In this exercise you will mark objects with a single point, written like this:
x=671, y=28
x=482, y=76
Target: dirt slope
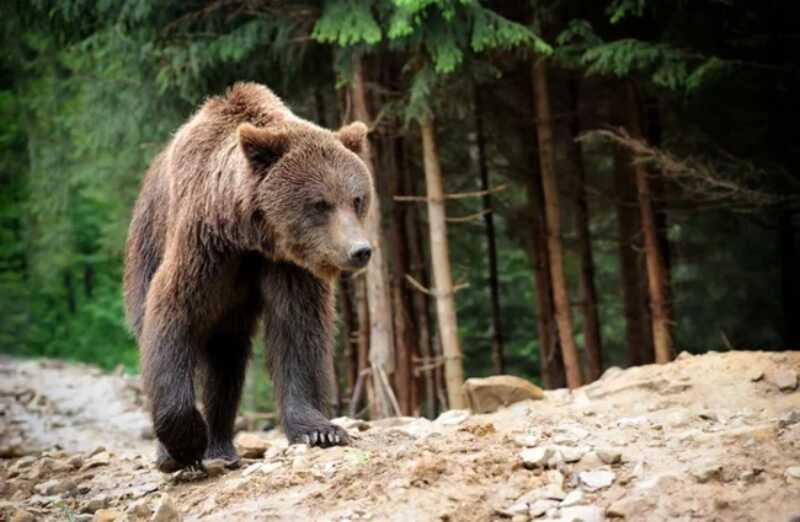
x=712, y=437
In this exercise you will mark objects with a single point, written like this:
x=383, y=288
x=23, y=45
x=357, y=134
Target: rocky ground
x=712, y=437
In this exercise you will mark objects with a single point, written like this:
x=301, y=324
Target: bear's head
x=309, y=193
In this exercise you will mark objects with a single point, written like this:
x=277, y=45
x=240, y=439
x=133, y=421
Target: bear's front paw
x=323, y=434
x=183, y=439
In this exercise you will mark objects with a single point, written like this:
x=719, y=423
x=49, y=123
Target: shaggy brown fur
x=249, y=210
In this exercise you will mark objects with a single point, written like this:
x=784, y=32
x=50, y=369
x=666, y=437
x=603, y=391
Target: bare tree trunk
x=544, y=133
x=440, y=258
x=348, y=364
x=491, y=246
x=656, y=270
x=552, y=364
x=591, y=319
x=637, y=331
x=420, y=302
x=405, y=334
x=381, y=349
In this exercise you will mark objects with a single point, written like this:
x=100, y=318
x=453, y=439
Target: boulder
x=488, y=394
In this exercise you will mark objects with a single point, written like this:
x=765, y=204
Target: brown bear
x=250, y=212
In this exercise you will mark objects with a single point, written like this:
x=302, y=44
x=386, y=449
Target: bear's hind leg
x=169, y=340
x=227, y=357
x=299, y=332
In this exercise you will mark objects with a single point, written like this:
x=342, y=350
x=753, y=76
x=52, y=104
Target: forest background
x=564, y=186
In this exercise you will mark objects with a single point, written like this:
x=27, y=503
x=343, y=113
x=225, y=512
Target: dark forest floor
x=711, y=437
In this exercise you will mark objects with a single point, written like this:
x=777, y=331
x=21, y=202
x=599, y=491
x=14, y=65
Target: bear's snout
x=359, y=254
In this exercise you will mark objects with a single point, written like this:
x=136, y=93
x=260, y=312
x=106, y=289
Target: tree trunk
x=656, y=270
x=544, y=133
x=420, y=302
x=634, y=292
x=381, y=348
x=405, y=334
x=551, y=362
x=591, y=319
x=491, y=247
x=348, y=364
x=440, y=258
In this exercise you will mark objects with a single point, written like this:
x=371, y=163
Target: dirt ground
x=711, y=437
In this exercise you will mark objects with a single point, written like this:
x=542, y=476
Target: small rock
x=351, y=424
x=705, y=472
x=536, y=457
x=574, y=498
x=95, y=504
x=139, y=509
x=569, y=454
x=102, y=458
x=541, y=506
x=214, y=467
x=251, y=446
x=418, y=428
x=609, y=456
x=166, y=511
x=583, y=514
x=106, y=515
x=526, y=440
x=569, y=433
x=793, y=417
x=452, y=417
x=55, y=487
x=249, y=470
x=20, y=515
x=596, y=479
x=793, y=472
x=147, y=433
x=75, y=462
x=784, y=378
x=485, y=395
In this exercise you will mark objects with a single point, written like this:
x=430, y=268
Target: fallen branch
x=458, y=195
x=432, y=291
x=469, y=217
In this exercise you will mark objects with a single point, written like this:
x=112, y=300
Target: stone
x=526, y=440
x=166, y=511
x=418, y=428
x=139, y=509
x=20, y=515
x=596, y=479
x=251, y=446
x=793, y=472
x=214, y=467
x=609, y=456
x=541, y=506
x=97, y=459
x=583, y=514
x=789, y=419
x=706, y=471
x=569, y=454
x=452, y=417
x=106, y=515
x=55, y=487
x=785, y=379
x=488, y=394
x=95, y=504
x=574, y=498
x=536, y=457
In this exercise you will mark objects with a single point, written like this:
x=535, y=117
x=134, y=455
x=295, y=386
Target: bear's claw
x=323, y=436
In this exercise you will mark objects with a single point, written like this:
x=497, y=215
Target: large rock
x=485, y=395
x=251, y=446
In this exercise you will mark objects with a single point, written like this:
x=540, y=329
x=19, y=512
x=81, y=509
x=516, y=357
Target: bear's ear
x=262, y=147
x=352, y=136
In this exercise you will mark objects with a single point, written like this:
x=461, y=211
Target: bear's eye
x=358, y=204
x=321, y=206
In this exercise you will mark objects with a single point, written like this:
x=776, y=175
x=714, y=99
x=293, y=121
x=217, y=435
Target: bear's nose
x=360, y=254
